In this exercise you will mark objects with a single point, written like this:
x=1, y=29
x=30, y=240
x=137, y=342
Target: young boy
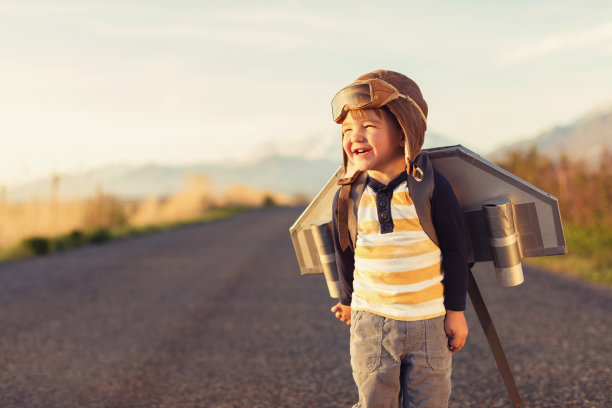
x=403, y=269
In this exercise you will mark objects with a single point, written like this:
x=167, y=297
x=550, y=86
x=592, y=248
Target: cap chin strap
x=412, y=169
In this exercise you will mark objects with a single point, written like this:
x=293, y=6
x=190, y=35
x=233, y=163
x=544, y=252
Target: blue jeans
x=400, y=363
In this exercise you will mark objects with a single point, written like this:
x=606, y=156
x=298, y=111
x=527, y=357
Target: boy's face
x=373, y=143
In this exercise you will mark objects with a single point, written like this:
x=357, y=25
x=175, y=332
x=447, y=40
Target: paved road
x=217, y=316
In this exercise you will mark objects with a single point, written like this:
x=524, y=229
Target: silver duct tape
x=510, y=276
x=334, y=289
x=327, y=258
x=506, y=257
x=502, y=242
x=527, y=227
x=498, y=214
x=321, y=233
x=528, y=230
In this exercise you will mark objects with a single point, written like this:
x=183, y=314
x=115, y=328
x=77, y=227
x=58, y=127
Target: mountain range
x=295, y=167
x=584, y=139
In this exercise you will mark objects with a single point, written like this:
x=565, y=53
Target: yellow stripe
x=395, y=251
x=404, y=318
x=399, y=225
x=409, y=298
x=399, y=278
x=404, y=225
x=368, y=227
x=401, y=198
x=367, y=200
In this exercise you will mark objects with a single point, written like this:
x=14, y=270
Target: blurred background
x=117, y=117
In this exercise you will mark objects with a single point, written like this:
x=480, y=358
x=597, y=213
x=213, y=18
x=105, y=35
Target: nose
x=357, y=135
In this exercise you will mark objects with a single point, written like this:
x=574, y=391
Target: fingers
x=346, y=317
x=456, y=343
x=343, y=313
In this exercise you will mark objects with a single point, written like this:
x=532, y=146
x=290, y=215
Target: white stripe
x=403, y=212
x=392, y=238
x=367, y=214
x=407, y=311
x=402, y=186
x=395, y=289
x=369, y=192
x=398, y=264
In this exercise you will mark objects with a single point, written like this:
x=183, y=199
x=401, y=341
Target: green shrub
x=99, y=235
x=74, y=239
x=269, y=201
x=38, y=245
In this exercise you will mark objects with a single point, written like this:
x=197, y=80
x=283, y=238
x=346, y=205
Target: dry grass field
x=54, y=217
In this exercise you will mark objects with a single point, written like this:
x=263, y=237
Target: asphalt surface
x=217, y=315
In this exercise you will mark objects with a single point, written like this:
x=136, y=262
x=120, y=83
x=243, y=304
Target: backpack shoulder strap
x=357, y=189
x=420, y=189
x=345, y=207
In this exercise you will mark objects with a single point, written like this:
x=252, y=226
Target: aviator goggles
x=368, y=94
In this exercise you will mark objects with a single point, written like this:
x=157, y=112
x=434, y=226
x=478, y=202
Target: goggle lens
x=355, y=96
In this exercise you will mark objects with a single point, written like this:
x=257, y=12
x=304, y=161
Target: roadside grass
x=35, y=246
x=589, y=254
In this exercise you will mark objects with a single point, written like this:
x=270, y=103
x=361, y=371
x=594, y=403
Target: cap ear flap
x=349, y=168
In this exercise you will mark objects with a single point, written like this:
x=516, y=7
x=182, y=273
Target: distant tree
x=584, y=193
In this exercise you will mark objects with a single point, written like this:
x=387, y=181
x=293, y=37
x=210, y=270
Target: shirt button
x=383, y=216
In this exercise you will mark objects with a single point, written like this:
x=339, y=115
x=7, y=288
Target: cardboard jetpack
x=506, y=219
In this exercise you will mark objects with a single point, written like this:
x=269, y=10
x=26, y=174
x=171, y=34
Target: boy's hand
x=342, y=312
x=456, y=330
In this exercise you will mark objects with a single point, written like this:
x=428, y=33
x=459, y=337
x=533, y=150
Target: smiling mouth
x=361, y=151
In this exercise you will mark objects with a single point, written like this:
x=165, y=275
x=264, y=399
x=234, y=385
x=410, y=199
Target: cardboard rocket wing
x=303, y=231
x=507, y=218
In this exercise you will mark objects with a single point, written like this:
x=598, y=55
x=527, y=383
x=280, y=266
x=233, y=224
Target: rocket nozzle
x=321, y=233
x=499, y=217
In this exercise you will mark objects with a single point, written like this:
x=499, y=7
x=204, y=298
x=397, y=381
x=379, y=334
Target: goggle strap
x=409, y=99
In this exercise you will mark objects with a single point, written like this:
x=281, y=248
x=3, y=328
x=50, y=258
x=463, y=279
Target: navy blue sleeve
x=345, y=260
x=448, y=222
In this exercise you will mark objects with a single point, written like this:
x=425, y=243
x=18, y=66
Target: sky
x=91, y=83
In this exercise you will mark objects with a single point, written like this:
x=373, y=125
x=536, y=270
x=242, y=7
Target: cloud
x=557, y=43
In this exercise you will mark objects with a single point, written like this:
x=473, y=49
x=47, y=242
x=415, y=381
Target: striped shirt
x=398, y=270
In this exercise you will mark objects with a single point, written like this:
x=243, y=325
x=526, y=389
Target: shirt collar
x=378, y=186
